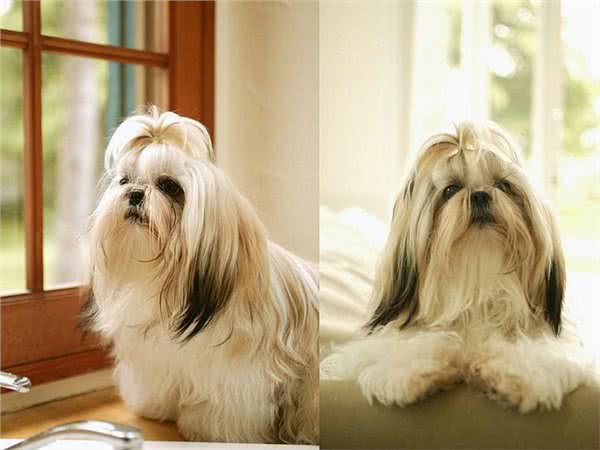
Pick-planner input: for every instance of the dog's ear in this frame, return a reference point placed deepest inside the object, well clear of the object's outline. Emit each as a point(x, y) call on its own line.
point(213, 231)
point(548, 289)
point(229, 256)
point(88, 310)
point(399, 298)
point(210, 285)
point(554, 292)
point(395, 292)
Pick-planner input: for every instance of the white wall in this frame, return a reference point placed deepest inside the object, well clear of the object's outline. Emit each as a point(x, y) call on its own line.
point(383, 91)
point(361, 104)
point(267, 114)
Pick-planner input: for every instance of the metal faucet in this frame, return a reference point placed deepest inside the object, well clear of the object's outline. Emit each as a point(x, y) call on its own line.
point(14, 382)
point(121, 437)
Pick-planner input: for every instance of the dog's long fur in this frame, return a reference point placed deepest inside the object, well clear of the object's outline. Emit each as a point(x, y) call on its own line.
point(470, 285)
point(211, 324)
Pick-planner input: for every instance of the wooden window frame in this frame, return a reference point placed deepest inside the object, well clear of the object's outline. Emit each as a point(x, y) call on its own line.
point(40, 338)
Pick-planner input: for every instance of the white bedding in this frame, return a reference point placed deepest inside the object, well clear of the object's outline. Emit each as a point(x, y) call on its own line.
point(350, 243)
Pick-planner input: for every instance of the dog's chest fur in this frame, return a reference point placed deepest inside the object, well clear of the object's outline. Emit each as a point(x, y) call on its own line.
point(158, 376)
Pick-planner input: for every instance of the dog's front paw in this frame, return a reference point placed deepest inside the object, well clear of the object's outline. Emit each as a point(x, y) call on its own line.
point(332, 367)
point(402, 387)
point(514, 384)
point(149, 407)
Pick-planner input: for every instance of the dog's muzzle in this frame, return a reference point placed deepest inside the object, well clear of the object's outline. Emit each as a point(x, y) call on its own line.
point(480, 208)
point(135, 215)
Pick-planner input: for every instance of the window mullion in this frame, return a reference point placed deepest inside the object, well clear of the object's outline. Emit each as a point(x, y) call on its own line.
point(33, 158)
point(15, 39)
point(475, 42)
point(547, 98)
point(191, 60)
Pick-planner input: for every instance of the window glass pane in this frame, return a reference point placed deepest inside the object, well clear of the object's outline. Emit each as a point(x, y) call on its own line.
point(11, 15)
point(135, 24)
point(83, 100)
point(578, 193)
point(438, 79)
point(579, 167)
point(511, 63)
point(12, 238)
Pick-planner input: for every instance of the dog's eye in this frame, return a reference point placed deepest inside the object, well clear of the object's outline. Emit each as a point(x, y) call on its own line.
point(503, 185)
point(123, 181)
point(451, 190)
point(169, 186)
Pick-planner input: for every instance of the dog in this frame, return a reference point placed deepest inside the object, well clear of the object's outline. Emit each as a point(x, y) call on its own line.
point(211, 324)
point(470, 286)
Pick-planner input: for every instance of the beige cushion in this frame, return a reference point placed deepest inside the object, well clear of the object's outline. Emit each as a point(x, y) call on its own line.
point(459, 418)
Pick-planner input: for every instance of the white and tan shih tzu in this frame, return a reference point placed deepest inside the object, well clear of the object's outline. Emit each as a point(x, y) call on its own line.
point(470, 285)
point(211, 324)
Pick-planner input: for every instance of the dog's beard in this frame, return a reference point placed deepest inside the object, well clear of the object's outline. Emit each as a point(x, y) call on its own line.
point(135, 215)
point(126, 250)
point(139, 247)
point(482, 216)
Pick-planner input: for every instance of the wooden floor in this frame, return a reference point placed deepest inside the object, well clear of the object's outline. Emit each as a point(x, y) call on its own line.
point(101, 405)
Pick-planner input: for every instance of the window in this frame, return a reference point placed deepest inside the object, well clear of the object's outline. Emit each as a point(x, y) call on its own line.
point(69, 72)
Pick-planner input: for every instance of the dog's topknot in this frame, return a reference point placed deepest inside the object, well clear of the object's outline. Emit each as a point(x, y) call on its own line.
point(472, 136)
point(151, 126)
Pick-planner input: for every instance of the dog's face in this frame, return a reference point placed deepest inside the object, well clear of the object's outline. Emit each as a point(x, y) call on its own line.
point(158, 169)
point(467, 218)
point(151, 213)
point(145, 195)
point(473, 192)
point(167, 228)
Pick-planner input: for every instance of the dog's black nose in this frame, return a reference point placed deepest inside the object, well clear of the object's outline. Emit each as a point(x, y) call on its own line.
point(136, 197)
point(480, 198)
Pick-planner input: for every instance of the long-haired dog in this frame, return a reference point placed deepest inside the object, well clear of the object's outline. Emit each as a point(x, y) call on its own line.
point(470, 285)
point(211, 324)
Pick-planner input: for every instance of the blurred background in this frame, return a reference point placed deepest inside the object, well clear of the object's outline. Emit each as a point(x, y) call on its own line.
point(393, 73)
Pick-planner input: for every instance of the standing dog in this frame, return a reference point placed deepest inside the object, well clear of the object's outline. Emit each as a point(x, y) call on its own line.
point(211, 324)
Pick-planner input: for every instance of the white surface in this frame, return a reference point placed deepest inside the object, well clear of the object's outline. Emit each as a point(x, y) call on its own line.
point(162, 445)
point(361, 102)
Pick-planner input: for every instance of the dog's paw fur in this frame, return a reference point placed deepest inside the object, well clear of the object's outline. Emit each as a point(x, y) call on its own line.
point(526, 377)
point(403, 386)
